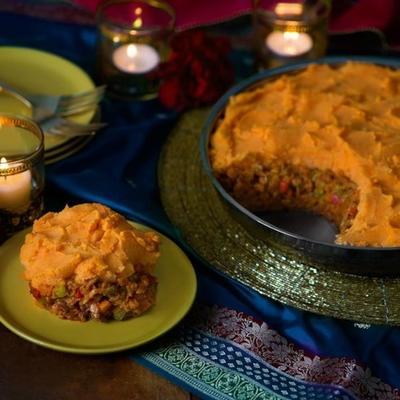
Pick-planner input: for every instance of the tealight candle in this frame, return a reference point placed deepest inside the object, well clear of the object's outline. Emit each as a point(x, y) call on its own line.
point(289, 44)
point(133, 41)
point(15, 190)
point(21, 173)
point(136, 58)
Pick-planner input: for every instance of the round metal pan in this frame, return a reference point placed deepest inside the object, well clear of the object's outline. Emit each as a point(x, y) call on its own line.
point(304, 237)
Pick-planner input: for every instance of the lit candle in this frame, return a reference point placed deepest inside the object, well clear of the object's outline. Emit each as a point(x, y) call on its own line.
point(15, 190)
point(289, 44)
point(135, 58)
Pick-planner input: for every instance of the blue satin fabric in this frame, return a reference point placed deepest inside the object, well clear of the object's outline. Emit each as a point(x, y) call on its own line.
point(118, 168)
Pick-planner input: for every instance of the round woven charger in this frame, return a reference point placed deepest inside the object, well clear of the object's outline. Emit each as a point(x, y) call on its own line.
point(195, 208)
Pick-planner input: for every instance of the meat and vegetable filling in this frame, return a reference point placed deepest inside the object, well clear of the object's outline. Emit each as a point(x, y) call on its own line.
point(278, 185)
point(96, 299)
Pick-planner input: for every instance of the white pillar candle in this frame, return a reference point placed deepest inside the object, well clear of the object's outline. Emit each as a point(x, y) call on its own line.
point(135, 58)
point(15, 190)
point(289, 44)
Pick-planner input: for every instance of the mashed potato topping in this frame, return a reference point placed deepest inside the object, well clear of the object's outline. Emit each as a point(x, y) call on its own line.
point(84, 242)
point(345, 119)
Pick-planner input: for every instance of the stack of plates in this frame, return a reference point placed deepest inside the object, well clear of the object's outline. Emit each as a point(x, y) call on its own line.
point(36, 71)
point(65, 149)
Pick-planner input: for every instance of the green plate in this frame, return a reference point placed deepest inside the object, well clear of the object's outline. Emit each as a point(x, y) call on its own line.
point(36, 71)
point(19, 313)
point(67, 151)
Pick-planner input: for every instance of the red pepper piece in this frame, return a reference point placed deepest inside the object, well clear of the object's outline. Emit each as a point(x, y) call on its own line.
point(78, 294)
point(152, 279)
point(35, 293)
point(335, 199)
point(352, 212)
point(283, 186)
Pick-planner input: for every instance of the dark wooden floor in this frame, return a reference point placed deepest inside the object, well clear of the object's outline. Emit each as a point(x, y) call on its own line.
point(30, 372)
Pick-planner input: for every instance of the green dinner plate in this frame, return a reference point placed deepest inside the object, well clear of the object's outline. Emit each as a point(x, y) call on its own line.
point(67, 151)
point(37, 71)
point(19, 313)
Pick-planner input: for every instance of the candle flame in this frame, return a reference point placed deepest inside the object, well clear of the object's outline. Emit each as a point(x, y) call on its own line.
point(3, 163)
point(137, 23)
point(131, 51)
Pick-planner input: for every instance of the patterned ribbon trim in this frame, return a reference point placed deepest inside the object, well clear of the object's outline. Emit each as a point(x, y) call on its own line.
point(259, 339)
point(222, 370)
point(224, 354)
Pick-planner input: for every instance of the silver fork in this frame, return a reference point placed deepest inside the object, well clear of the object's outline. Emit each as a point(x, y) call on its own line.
point(46, 106)
point(65, 127)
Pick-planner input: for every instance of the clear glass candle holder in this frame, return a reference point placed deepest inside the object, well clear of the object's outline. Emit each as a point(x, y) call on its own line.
point(133, 41)
point(291, 31)
point(21, 173)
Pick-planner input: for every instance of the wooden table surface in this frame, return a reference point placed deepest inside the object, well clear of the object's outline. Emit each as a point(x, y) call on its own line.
point(30, 372)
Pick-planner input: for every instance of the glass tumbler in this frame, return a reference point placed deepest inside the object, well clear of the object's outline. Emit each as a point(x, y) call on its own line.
point(133, 40)
point(291, 31)
point(21, 173)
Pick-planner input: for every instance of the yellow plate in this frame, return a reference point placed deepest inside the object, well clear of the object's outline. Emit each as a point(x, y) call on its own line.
point(19, 313)
point(51, 158)
point(37, 71)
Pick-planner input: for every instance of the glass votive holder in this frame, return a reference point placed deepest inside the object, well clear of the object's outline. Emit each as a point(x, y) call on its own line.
point(287, 32)
point(21, 173)
point(133, 41)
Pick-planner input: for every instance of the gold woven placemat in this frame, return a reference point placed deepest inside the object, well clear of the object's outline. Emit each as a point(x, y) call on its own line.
point(195, 208)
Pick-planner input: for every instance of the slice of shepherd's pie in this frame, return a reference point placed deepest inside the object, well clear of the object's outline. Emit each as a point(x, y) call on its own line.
point(87, 262)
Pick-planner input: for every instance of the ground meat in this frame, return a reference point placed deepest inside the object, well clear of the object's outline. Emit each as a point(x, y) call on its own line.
point(261, 186)
point(100, 300)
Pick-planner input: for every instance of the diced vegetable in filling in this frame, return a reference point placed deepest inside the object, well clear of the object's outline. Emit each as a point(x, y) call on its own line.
point(100, 300)
point(278, 185)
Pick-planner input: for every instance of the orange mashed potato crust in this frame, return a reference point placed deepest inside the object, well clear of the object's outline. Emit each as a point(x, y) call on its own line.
point(344, 119)
point(83, 242)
